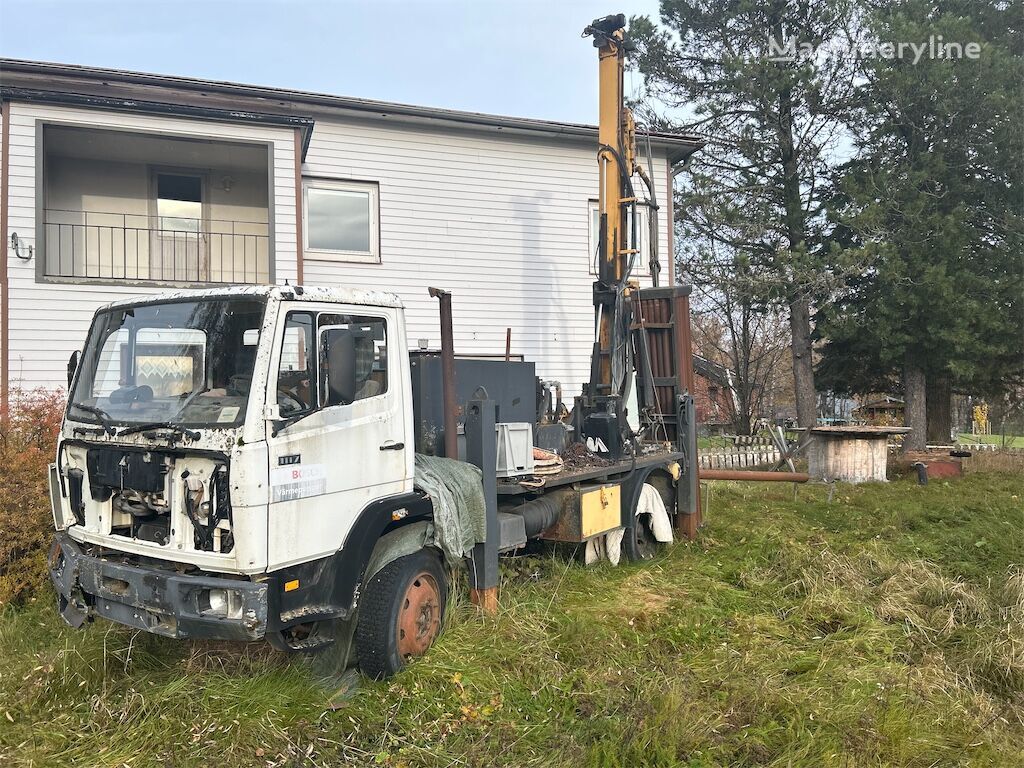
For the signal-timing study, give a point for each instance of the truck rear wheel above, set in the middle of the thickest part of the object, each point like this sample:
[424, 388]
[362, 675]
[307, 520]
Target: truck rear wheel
[400, 613]
[639, 542]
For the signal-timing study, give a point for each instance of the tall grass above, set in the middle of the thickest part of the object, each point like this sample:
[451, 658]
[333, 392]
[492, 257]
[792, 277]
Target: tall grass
[883, 628]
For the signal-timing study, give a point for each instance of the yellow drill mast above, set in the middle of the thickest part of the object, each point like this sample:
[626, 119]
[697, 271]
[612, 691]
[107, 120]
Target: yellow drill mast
[616, 155]
[616, 137]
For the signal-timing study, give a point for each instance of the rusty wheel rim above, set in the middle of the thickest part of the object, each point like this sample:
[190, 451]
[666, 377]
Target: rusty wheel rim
[419, 616]
[646, 544]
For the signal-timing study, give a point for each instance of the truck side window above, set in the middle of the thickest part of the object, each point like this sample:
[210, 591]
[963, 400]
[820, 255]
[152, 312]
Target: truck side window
[296, 374]
[369, 335]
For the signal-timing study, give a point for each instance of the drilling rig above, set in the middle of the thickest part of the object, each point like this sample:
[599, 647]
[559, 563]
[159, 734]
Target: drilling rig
[314, 494]
[600, 411]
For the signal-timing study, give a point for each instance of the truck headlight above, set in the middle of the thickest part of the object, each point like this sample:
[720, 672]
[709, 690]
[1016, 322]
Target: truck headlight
[226, 603]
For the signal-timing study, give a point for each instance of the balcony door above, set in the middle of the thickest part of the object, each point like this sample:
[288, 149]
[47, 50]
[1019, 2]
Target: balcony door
[179, 248]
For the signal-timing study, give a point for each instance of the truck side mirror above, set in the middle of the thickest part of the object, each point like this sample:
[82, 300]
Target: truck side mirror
[72, 367]
[341, 366]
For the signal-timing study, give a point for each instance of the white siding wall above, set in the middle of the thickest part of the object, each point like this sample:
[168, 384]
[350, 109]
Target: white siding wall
[499, 220]
[49, 320]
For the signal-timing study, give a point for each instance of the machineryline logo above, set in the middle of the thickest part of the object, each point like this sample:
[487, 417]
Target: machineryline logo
[789, 49]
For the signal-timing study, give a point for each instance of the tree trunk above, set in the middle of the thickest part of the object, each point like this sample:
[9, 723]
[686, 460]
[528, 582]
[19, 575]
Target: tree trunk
[803, 369]
[940, 410]
[914, 409]
[800, 306]
[743, 421]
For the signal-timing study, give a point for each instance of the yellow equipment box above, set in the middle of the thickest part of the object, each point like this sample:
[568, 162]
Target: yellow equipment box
[590, 511]
[600, 510]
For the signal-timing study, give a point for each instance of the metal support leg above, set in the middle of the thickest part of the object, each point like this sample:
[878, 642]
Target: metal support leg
[688, 517]
[482, 450]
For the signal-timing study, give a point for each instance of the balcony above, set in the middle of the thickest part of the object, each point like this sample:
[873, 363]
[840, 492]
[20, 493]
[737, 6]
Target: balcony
[152, 208]
[105, 245]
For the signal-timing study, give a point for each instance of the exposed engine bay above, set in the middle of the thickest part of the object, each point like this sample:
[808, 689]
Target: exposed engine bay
[151, 496]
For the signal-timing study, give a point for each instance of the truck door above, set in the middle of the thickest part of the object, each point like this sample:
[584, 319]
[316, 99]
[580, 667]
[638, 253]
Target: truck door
[340, 441]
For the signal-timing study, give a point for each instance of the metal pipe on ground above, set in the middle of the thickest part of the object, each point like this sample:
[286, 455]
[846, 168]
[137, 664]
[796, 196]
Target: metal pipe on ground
[753, 476]
[451, 435]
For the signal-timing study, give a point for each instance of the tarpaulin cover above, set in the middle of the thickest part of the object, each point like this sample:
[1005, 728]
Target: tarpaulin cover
[457, 493]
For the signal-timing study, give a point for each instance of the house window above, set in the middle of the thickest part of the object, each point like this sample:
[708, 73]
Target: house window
[642, 257]
[341, 221]
[179, 202]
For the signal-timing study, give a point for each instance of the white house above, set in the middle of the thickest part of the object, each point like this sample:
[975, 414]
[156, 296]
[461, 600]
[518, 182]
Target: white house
[119, 184]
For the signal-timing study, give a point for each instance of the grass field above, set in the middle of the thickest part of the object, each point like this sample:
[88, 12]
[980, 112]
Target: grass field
[1007, 441]
[883, 628]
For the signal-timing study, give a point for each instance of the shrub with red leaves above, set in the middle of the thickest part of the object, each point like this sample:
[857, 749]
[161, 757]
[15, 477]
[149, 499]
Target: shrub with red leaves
[28, 441]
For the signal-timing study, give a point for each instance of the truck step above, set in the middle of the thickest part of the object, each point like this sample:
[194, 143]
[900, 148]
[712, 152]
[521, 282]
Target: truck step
[512, 531]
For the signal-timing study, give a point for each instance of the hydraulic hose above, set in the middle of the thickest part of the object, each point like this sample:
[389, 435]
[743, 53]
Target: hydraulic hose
[540, 514]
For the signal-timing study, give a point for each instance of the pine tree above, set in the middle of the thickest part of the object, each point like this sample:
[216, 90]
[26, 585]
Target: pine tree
[723, 67]
[934, 195]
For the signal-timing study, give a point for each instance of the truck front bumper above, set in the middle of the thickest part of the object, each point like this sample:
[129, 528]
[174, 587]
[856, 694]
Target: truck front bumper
[159, 601]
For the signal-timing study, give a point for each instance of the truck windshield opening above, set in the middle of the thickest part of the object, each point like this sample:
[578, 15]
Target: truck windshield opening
[184, 362]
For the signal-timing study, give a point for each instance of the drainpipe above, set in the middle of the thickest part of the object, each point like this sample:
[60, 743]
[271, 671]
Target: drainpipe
[5, 290]
[299, 208]
[451, 435]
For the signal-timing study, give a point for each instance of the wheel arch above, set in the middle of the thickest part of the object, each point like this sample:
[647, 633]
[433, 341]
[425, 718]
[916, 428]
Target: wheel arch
[329, 587]
[659, 477]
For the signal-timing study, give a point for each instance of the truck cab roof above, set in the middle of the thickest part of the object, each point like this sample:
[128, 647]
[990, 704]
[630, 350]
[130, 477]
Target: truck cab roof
[331, 294]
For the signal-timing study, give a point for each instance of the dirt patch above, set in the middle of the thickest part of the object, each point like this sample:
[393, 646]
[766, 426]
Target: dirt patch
[638, 595]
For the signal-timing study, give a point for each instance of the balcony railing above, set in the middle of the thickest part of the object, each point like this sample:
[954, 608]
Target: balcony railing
[95, 245]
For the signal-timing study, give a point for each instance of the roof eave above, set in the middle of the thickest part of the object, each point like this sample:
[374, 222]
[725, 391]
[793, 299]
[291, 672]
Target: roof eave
[278, 101]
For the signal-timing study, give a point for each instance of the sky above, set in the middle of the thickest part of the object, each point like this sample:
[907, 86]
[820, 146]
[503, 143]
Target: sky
[518, 57]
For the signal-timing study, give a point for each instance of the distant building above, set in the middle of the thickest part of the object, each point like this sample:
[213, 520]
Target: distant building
[714, 396]
[885, 410]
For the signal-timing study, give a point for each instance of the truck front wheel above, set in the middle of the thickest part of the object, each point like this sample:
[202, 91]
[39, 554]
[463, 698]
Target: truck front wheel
[400, 613]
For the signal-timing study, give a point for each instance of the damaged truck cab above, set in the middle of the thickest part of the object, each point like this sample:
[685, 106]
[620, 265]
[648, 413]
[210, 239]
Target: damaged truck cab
[220, 451]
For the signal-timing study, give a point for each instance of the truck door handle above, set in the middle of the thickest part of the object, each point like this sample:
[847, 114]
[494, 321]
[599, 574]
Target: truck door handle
[392, 446]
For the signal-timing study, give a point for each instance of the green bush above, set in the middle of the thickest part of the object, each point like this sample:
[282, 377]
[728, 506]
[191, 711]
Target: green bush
[27, 443]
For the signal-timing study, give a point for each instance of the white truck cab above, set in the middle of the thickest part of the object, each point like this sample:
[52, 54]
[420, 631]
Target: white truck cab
[226, 434]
